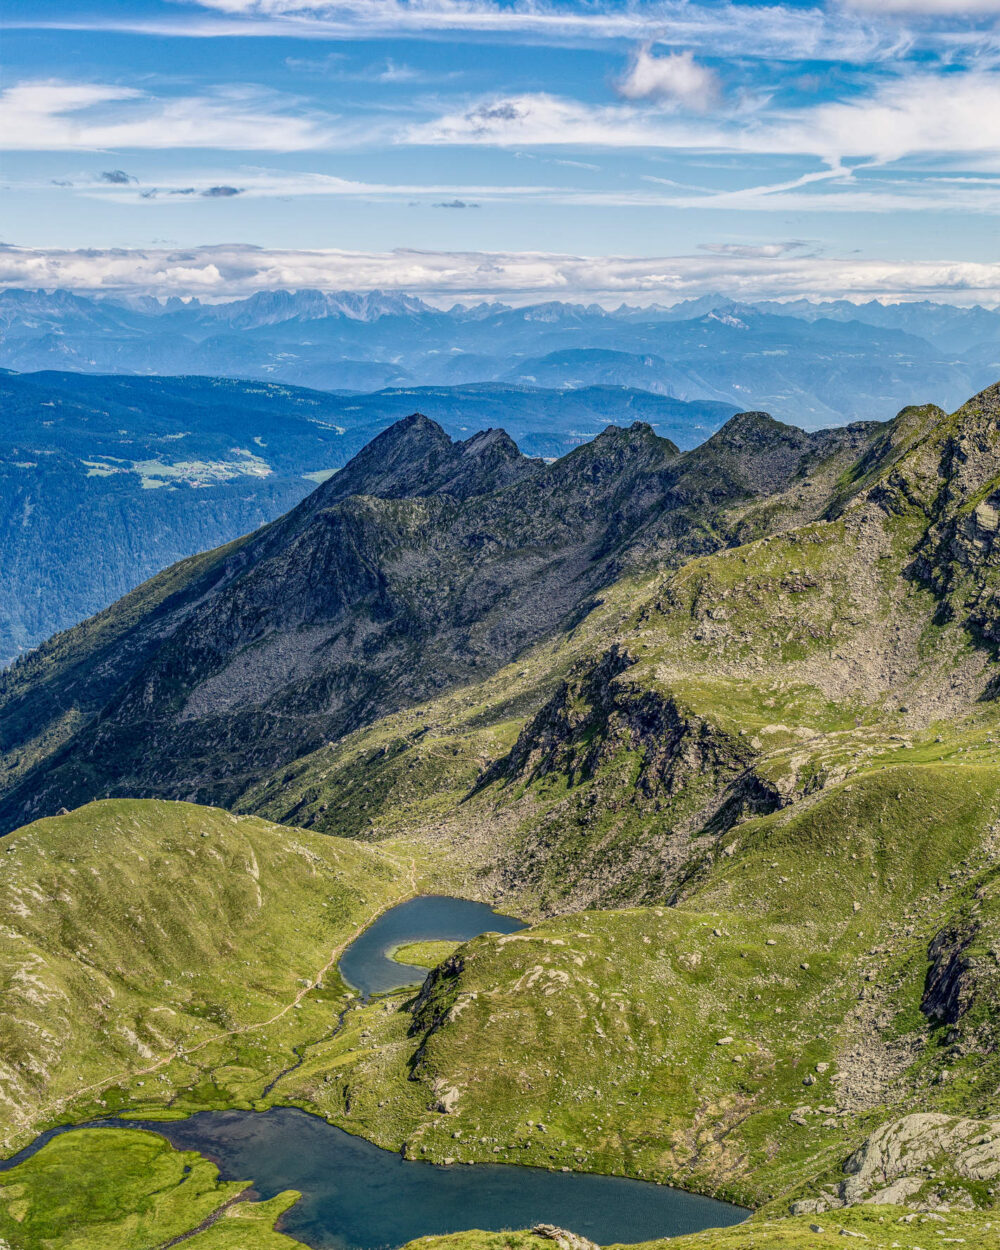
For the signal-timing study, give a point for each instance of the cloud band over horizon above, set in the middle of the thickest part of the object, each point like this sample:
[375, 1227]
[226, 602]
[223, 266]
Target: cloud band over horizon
[776, 271]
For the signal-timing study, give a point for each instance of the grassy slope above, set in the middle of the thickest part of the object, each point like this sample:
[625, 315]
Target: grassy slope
[802, 666]
[606, 1026]
[423, 954]
[156, 953]
[802, 663]
[750, 648]
[129, 1190]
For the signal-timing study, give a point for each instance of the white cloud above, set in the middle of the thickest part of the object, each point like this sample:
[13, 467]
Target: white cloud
[776, 30]
[393, 71]
[65, 116]
[759, 251]
[676, 77]
[953, 114]
[956, 115]
[934, 8]
[226, 271]
[255, 183]
[843, 191]
[541, 119]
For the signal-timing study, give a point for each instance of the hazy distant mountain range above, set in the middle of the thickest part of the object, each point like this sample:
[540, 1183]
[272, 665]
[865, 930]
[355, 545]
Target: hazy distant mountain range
[814, 364]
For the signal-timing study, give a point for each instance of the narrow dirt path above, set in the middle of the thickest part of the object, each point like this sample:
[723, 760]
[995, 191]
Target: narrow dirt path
[60, 1104]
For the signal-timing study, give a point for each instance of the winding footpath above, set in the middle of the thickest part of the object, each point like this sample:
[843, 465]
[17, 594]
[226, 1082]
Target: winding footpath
[212, 1218]
[61, 1104]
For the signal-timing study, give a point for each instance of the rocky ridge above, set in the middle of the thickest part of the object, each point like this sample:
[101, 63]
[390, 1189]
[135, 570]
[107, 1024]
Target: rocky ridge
[424, 564]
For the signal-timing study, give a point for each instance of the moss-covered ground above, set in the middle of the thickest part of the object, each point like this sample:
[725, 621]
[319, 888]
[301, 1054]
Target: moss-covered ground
[95, 1189]
[423, 954]
[881, 1228]
[744, 1041]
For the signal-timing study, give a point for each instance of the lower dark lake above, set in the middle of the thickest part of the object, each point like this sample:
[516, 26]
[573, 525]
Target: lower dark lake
[356, 1196]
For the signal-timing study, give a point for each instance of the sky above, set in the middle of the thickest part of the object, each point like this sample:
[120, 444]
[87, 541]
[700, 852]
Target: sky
[611, 150]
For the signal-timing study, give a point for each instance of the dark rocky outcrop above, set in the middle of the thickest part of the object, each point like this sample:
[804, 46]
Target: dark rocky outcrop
[962, 987]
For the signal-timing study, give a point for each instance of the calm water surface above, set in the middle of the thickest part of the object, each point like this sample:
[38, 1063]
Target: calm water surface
[432, 917]
[356, 1196]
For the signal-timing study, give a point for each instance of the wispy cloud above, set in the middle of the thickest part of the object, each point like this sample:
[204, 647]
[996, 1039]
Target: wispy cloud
[755, 251]
[63, 116]
[956, 114]
[256, 183]
[828, 190]
[932, 8]
[225, 271]
[781, 31]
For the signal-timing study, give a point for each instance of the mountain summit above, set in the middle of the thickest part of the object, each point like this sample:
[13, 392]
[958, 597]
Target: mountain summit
[422, 564]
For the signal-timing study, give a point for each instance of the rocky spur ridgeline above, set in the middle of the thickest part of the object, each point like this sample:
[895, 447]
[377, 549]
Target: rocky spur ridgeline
[423, 566]
[721, 724]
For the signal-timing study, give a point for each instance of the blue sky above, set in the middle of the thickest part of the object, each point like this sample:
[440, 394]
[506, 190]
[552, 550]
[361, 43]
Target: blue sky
[599, 149]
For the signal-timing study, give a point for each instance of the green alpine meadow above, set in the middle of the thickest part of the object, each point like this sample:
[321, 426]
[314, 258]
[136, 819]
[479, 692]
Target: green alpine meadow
[721, 726]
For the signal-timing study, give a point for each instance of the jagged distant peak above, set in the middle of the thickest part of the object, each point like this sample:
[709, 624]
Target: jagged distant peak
[493, 439]
[628, 433]
[728, 317]
[60, 298]
[412, 433]
[309, 304]
[556, 310]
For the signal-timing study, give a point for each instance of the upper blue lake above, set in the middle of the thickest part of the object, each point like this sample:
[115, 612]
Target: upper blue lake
[432, 917]
[356, 1196]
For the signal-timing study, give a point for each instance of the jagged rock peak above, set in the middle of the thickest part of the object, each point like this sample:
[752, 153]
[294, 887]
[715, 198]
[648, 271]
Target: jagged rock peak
[395, 462]
[638, 431]
[415, 456]
[494, 441]
[753, 428]
[619, 440]
[415, 422]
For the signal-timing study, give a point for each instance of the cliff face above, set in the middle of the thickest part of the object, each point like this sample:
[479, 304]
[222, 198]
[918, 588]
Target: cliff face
[962, 987]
